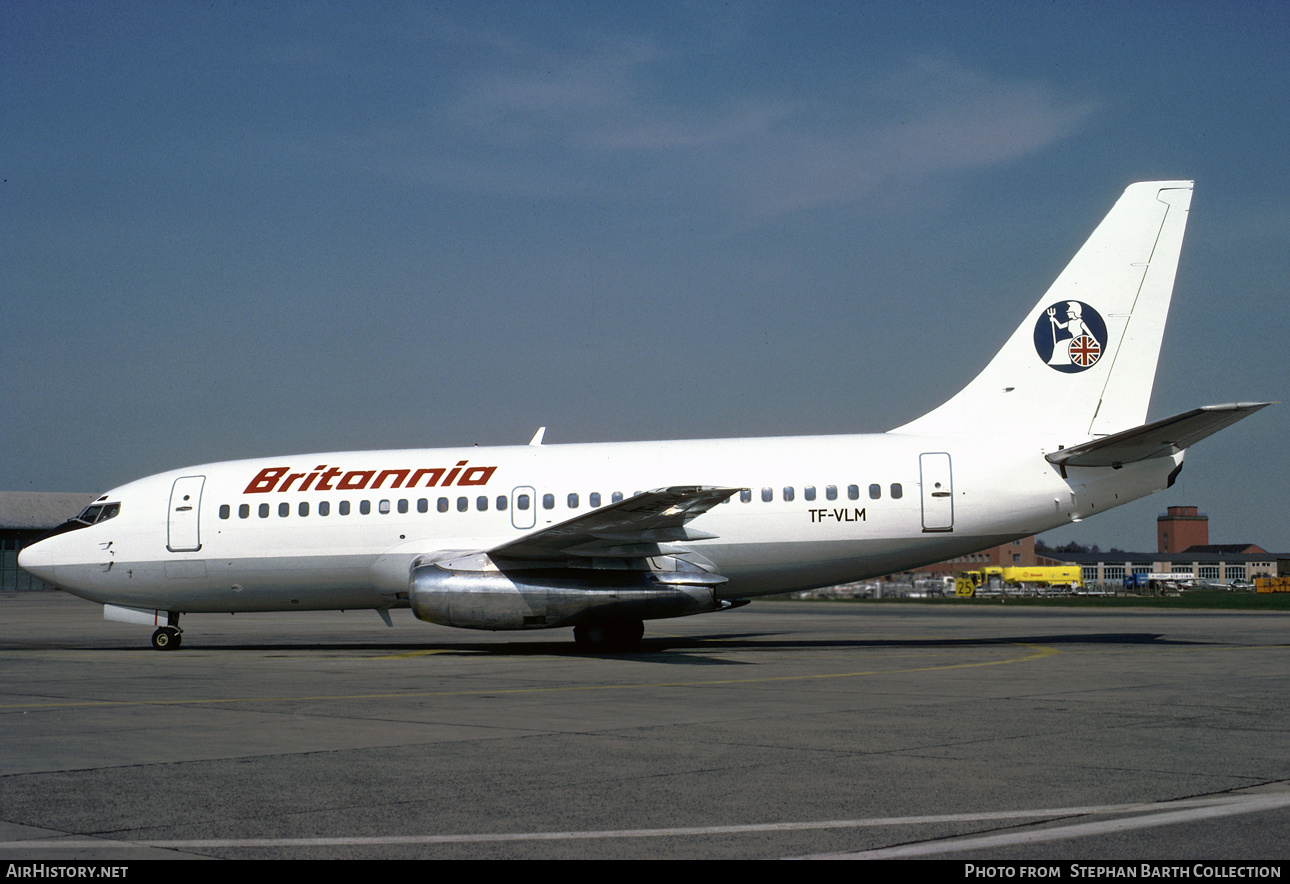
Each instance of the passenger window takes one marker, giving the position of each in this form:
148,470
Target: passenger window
831,492
594,498
364,507
423,505
324,508
284,510
383,507
788,493
767,495
304,508
548,501
481,503
243,511
264,511
615,497
442,505
745,495
573,501
344,507
896,491
224,511
501,502
809,492
403,506
522,501
853,492
463,504
875,491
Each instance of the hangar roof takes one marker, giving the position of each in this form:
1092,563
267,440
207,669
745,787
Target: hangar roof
40,509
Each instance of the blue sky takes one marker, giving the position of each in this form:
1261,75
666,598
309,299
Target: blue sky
232,230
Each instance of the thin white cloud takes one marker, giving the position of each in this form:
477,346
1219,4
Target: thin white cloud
612,121
931,118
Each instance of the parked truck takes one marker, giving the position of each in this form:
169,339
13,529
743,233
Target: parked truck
1018,579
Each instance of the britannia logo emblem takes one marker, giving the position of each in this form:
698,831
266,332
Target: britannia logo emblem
1070,336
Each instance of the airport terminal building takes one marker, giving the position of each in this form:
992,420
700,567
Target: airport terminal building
1220,563
1182,548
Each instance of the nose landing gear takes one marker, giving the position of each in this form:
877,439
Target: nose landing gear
167,638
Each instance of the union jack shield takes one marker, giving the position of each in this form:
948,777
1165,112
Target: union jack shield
1085,351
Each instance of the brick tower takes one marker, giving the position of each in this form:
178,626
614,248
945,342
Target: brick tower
1180,528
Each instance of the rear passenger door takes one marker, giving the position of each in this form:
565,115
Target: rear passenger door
938,491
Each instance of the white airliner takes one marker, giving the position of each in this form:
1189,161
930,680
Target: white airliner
602,537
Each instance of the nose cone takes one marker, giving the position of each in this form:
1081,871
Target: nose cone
38,560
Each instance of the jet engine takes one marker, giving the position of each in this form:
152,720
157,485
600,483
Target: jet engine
474,593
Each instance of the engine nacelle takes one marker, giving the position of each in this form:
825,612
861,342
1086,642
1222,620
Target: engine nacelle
492,599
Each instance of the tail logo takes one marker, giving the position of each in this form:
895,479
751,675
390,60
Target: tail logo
1070,336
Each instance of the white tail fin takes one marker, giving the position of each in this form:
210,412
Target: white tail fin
1084,360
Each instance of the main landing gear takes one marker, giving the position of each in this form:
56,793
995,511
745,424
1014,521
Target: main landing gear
609,636
167,638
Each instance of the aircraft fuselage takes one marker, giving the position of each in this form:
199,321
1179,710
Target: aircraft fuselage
811,511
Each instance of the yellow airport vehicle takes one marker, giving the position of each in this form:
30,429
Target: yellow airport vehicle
1033,577
1272,584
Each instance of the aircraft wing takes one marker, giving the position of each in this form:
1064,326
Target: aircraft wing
1159,439
636,526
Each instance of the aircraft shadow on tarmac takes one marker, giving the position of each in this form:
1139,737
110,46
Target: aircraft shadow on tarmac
666,649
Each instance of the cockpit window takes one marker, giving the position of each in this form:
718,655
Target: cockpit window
99,512
95,512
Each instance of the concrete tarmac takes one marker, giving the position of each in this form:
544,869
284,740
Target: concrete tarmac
781,729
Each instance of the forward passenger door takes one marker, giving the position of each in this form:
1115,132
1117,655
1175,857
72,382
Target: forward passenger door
183,533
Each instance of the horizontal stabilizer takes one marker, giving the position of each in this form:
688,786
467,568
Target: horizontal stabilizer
634,526
1159,439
